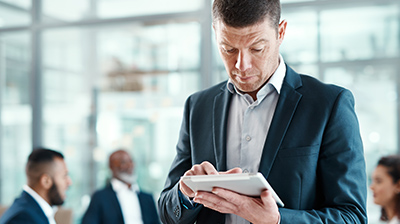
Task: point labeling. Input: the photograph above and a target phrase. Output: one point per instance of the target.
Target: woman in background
(386, 188)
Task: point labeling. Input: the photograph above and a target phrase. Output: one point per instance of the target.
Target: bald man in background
(48, 181)
(121, 202)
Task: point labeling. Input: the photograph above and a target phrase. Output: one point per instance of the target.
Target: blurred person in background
(47, 183)
(121, 201)
(386, 188)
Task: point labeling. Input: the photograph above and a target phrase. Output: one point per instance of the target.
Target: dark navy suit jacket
(104, 208)
(24, 210)
(313, 154)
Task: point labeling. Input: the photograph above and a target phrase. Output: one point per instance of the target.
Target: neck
(41, 192)
(390, 212)
(123, 181)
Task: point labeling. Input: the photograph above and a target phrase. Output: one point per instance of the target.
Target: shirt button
(248, 138)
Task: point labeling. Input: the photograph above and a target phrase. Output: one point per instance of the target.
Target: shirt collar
(48, 210)
(276, 80)
(118, 185)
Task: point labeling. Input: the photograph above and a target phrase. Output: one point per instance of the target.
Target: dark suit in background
(312, 157)
(104, 208)
(24, 210)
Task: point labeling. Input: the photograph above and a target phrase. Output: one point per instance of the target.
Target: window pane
(300, 43)
(15, 111)
(67, 90)
(148, 72)
(14, 13)
(292, 1)
(26, 4)
(372, 32)
(73, 10)
(121, 8)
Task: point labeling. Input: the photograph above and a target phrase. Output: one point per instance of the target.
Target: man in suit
(48, 181)
(121, 202)
(301, 134)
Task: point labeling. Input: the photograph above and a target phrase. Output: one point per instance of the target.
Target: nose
(243, 61)
(69, 181)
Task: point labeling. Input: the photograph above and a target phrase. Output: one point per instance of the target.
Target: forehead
(248, 34)
(381, 171)
(60, 166)
(121, 156)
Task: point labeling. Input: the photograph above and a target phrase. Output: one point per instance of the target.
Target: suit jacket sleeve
(341, 185)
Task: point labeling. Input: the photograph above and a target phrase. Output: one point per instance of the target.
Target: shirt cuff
(186, 201)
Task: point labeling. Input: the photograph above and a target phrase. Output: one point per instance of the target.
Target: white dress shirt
(394, 220)
(248, 126)
(48, 210)
(129, 201)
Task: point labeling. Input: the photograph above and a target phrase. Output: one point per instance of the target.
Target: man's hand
(256, 210)
(205, 168)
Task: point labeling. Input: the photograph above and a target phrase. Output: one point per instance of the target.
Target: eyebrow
(255, 43)
(259, 41)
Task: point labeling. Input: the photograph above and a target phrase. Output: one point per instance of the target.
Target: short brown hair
(242, 13)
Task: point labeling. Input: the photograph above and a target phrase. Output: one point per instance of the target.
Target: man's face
(61, 183)
(250, 54)
(122, 167)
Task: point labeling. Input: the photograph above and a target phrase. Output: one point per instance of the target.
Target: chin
(377, 202)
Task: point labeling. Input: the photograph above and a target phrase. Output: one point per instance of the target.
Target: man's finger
(214, 202)
(208, 168)
(267, 198)
(186, 190)
(234, 170)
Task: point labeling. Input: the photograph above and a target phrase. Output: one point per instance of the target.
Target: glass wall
(115, 74)
(15, 112)
(15, 13)
(146, 74)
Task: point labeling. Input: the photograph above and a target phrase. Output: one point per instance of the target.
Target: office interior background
(86, 77)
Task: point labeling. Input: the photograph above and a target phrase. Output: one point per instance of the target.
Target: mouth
(244, 78)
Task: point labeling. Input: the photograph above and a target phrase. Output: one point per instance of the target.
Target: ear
(215, 30)
(282, 30)
(46, 181)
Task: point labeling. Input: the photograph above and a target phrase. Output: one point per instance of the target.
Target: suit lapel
(287, 104)
(220, 117)
(34, 205)
(112, 202)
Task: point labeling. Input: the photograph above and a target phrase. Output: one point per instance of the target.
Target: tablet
(251, 184)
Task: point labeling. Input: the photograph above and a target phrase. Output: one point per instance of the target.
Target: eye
(257, 49)
(230, 50)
